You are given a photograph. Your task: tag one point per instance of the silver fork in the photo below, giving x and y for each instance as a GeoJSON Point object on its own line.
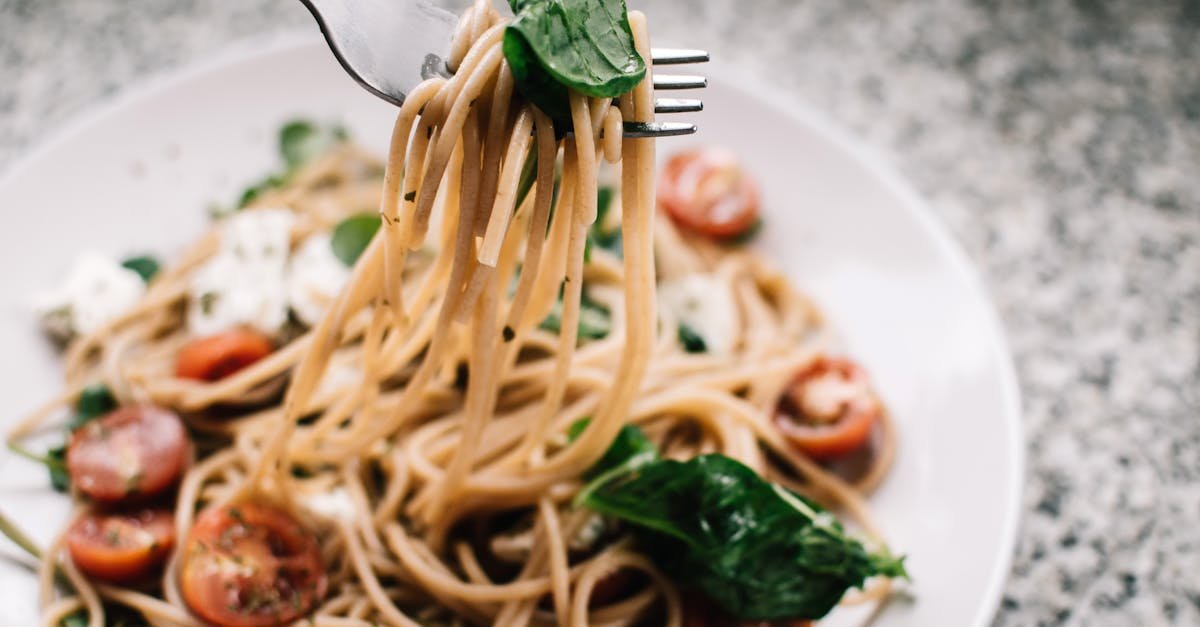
{"type": "Point", "coordinates": [390, 46]}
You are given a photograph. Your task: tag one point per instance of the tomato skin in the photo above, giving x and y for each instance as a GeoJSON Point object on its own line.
{"type": "Point", "coordinates": [131, 453]}
{"type": "Point", "coordinates": [250, 565]}
{"type": "Point", "coordinates": [706, 191]}
{"type": "Point", "coordinates": [217, 356]}
{"type": "Point", "coordinates": [829, 437]}
{"type": "Point", "coordinates": [121, 547]}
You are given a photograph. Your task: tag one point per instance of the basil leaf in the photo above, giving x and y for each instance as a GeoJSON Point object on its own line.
{"type": "Point", "coordinates": [710, 522]}
{"type": "Point", "coordinates": [301, 141]}
{"type": "Point", "coordinates": [585, 45]}
{"type": "Point", "coordinates": [94, 401]}
{"type": "Point", "coordinates": [145, 265]}
{"type": "Point", "coordinates": [114, 616]}
{"type": "Point", "coordinates": [692, 342]}
{"type": "Point", "coordinates": [352, 235]}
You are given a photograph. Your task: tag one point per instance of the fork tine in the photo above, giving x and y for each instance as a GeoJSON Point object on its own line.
{"type": "Point", "coordinates": [679, 81]}
{"type": "Point", "coordinates": [677, 105]}
{"type": "Point", "coordinates": [674, 56]}
{"type": "Point", "coordinates": [658, 129]}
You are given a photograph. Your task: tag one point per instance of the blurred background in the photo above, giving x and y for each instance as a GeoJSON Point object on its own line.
{"type": "Point", "coordinates": [1059, 140]}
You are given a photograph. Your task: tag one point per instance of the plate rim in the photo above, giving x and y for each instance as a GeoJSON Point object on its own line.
{"type": "Point", "coordinates": [819, 123]}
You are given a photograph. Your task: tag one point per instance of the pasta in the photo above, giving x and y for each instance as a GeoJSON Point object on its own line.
{"type": "Point", "coordinates": [431, 399]}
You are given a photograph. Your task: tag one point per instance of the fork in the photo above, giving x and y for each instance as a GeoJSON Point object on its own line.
{"type": "Point", "coordinates": [390, 46]}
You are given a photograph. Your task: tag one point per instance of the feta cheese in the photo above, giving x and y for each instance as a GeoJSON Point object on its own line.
{"type": "Point", "coordinates": [315, 276]}
{"type": "Point", "coordinates": [335, 503]}
{"type": "Point", "coordinates": [705, 304]}
{"type": "Point", "coordinates": [97, 290]}
{"type": "Point", "coordinates": [244, 282]}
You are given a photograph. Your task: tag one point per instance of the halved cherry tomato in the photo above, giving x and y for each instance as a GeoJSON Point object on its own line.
{"type": "Point", "coordinates": [829, 409]}
{"type": "Point", "coordinates": [705, 190]}
{"type": "Point", "coordinates": [134, 451]}
{"type": "Point", "coordinates": [121, 547]}
{"type": "Point", "coordinates": [218, 356]}
{"type": "Point", "coordinates": [250, 565]}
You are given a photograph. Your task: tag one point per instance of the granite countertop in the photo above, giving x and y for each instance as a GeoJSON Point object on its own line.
{"type": "Point", "coordinates": [1060, 141]}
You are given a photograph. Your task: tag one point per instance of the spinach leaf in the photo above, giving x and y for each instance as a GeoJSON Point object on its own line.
{"type": "Point", "coordinates": [599, 235]}
{"type": "Point", "coordinates": [585, 45]}
{"type": "Point", "coordinates": [595, 321]}
{"type": "Point", "coordinates": [692, 342]}
{"type": "Point", "coordinates": [114, 616]}
{"type": "Point", "coordinates": [55, 461]}
{"type": "Point", "coordinates": [301, 141]}
{"type": "Point", "coordinates": [629, 450]}
{"type": "Point", "coordinates": [711, 522]}
{"type": "Point", "coordinates": [352, 235]}
{"type": "Point", "coordinates": [747, 236]}
{"type": "Point", "coordinates": [94, 401]}
{"type": "Point", "coordinates": [145, 265]}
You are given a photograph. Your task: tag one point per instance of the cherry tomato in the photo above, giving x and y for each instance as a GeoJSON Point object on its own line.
{"type": "Point", "coordinates": [706, 191]}
{"type": "Point", "coordinates": [121, 547]}
{"type": "Point", "coordinates": [829, 409]}
{"type": "Point", "coordinates": [218, 356]}
{"type": "Point", "coordinates": [250, 565]}
{"type": "Point", "coordinates": [134, 451]}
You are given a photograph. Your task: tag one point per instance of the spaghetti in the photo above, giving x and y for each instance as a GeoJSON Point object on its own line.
{"type": "Point", "coordinates": [448, 479]}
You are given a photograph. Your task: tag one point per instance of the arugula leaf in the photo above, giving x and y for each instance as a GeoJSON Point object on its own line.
{"type": "Point", "coordinates": [711, 522]}
{"type": "Point", "coordinates": [145, 265]}
{"type": "Point", "coordinates": [78, 618]}
{"type": "Point", "coordinates": [585, 45]}
{"type": "Point", "coordinates": [94, 401]}
{"type": "Point", "coordinates": [352, 235]}
{"type": "Point", "coordinates": [594, 320]}
{"type": "Point", "coordinates": [747, 236]}
{"type": "Point", "coordinates": [692, 342]}
{"type": "Point", "coordinates": [300, 141]}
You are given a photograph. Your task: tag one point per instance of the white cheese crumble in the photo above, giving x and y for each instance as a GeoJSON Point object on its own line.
{"type": "Point", "coordinates": [244, 282]}
{"type": "Point", "coordinates": [335, 503]}
{"type": "Point", "coordinates": [97, 290]}
{"type": "Point", "coordinates": [706, 306]}
{"type": "Point", "coordinates": [315, 276]}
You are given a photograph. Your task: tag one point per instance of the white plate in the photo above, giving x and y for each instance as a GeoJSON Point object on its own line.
{"type": "Point", "coordinates": [140, 174]}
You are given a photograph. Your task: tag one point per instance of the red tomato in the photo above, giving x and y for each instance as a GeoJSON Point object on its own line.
{"type": "Point", "coordinates": [706, 191]}
{"type": "Point", "coordinates": [135, 451]}
{"type": "Point", "coordinates": [250, 565]}
{"type": "Point", "coordinates": [829, 409]}
{"type": "Point", "coordinates": [121, 548]}
{"type": "Point", "coordinates": [218, 356]}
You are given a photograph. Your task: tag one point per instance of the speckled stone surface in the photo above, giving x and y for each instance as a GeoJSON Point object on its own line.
{"type": "Point", "coordinates": [1060, 141]}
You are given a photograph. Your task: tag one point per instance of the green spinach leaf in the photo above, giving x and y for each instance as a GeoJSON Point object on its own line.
{"type": "Point", "coordinates": [595, 321]}
{"type": "Point", "coordinates": [585, 45]}
{"type": "Point", "coordinates": [352, 235]}
{"type": "Point", "coordinates": [629, 450]}
{"type": "Point", "coordinates": [94, 401]}
{"type": "Point", "coordinates": [691, 341]}
{"type": "Point", "coordinates": [301, 141]}
{"type": "Point", "coordinates": [711, 522]}
{"type": "Point", "coordinates": [145, 265]}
